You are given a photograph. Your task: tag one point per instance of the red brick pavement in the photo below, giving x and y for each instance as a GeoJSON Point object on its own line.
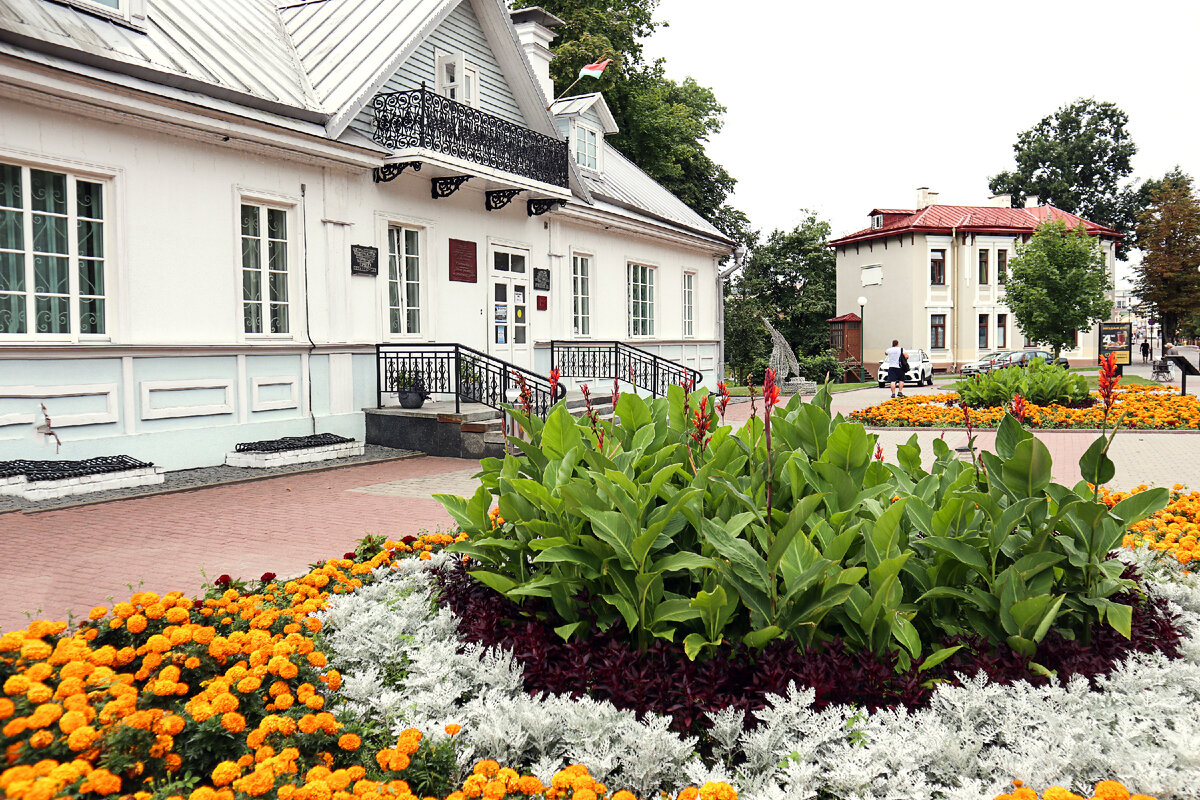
{"type": "Point", "coordinates": [70, 560]}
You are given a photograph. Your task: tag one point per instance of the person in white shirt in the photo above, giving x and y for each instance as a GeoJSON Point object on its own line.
{"type": "Point", "coordinates": [895, 375]}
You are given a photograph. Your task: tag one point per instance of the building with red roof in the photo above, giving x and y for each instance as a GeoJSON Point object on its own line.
{"type": "Point", "coordinates": [933, 277]}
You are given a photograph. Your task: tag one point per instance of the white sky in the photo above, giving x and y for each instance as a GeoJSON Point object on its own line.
{"type": "Point", "coordinates": [842, 106]}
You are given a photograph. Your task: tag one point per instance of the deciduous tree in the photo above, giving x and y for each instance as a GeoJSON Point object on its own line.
{"type": "Point", "coordinates": [1058, 284]}
{"type": "Point", "coordinates": [1168, 279]}
{"type": "Point", "coordinates": [1078, 159]}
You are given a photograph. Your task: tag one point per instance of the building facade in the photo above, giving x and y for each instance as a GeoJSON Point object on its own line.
{"type": "Point", "coordinates": [210, 214]}
{"type": "Point", "coordinates": [934, 278]}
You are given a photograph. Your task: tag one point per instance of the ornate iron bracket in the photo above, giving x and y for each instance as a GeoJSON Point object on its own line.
{"type": "Point", "coordinates": [500, 198]}
{"type": "Point", "coordinates": [540, 206]}
{"type": "Point", "coordinates": [389, 172]}
{"type": "Point", "coordinates": [444, 187]}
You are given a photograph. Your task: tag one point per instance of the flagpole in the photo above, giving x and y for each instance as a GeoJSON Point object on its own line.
{"type": "Point", "coordinates": [564, 94]}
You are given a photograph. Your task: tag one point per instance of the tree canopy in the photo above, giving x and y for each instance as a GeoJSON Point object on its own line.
{"type": "Point", "coordinates": [1078, 159]}
{"type": "Point", "coordinates": [1168, 279]}
{"type": "Point", "coordinates": [791, 279]}
{"type": "Point", "coordinates": [1058, 284]}
{"type": "Point", "coordinates": [664, 124]}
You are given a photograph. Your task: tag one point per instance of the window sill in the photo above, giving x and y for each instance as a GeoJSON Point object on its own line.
{"type": "Point", "coordinates": [29, 338]}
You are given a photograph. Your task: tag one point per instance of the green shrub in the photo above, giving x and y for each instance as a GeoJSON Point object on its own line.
{"type": "Point", "coordinates": [645, 522]}
{"type": "Point", "coordinates": [1039, 383]}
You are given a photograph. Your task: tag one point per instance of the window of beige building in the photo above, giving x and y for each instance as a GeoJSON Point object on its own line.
{"type": "Point", "coordinates": [1001, 266]}
{"type": "Point", "coordinates": [983, 331]}
{"type": "Point", "coordinates": [937, 267]}
{"type": "Point", "coordinates": [1001, 331]}
{"type": "Point", "coordinates": [937, 331]}
{"type": "Point", "coordinates": [983, 268]}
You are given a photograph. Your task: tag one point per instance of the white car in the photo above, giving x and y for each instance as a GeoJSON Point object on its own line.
{"type": "Point", "coordinates": [920, 369]}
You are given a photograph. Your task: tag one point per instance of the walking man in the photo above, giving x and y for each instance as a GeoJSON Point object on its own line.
{"type": "Point", "coordinates": [1145, 351]}
{"type": "Point", "coordinates": [894, 356]}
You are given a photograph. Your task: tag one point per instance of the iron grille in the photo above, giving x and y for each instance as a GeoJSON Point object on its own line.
{"type": "Point", "coordinates": [291, 443]}
{"type": "Point", "coordinates": [470, 375]}
{"type": "Point", "coordinates": [425, 119]}
{"type": "Point", "coordinates": [59, 470]}
{"type": "Point", "coordinates": [607, 360]}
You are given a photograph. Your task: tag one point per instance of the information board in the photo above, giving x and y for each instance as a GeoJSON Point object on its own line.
{"type": "Point", "coordinates": [463, 266]}
{"type": "Point", "coordinates": [364, 260]}
{"type": "Point", "coordinates": [1116, 338]}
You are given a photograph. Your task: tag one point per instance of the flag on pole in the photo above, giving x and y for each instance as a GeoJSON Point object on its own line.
{"type": "Point", "coordinates": [594, 70]}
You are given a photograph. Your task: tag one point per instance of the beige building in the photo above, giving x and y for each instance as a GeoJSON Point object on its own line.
{"type": "Point", "coordinates": [934, 277]}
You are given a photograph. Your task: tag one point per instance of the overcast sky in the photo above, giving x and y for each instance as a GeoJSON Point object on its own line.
{"type": "Point", "coordinates": [842, 107]}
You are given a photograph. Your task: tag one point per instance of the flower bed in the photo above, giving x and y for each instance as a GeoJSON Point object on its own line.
{"type": "Point", "coordinates": [1175, 530]}
{"type": "Point", "coordinates": [349, 682]}
{"type": "Point", "coordinates": [1144, 407]}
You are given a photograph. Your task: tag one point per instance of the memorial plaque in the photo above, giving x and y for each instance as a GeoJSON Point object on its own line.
{"type": "Point", "coordinates": [463, 265]}
{"type": "Point", "coordinates": [541, 280]}
{"type": "Point", "coordinates": [1117, 338]}
{"type": "Point", "coordinates": [541, 302]}
{"type": "Point", "coordinates": [364, 260]}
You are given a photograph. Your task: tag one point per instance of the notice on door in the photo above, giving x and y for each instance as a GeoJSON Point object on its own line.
{"type": "Point", "coordinates": [463, 265]}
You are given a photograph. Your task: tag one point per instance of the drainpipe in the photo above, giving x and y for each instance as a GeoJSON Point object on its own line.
{"type": "Point", "coordinates": [954, 292]}
{"type": "Point", "coordinates": [739, 259]}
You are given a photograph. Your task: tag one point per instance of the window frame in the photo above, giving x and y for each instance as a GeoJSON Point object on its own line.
{"type": "Point", "coordinates": [402, 295]}
{"type": "Point", "coordinates": [688, 302]}
{"type": "Point", "coordinates": [130, 13]}
{"type": "Point", "coordinates": [1001, 266]}
{"type": "Point", "coordinates": [579, 128]}
{"type": "Point", "coordinates": [266, 203]}
{"type": "Point", "coordinates": [584, 316]}
{"type": "Point", "coordinates": [647, 329]}
{"type": "Point", "coordinates": [1001, 331]}
{"type": "Point", "coordinates": [984, 267]}
{"type": "Point", "coordinates": [937, 275]}
{"type": "Point", "coordinates": [937, 332]}
{"type": "Point", "coordinates": [466, 76]}
{"type": "Point", "coordinates": [985, 321]}
{"type": "Point", "coordinates": [73, 174]}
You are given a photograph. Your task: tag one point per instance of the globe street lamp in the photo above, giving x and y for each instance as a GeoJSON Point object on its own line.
{"type": "Point", "coordinates": [862, 334]}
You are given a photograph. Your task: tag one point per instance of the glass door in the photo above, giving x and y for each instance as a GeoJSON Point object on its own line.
{"type": "Point", "coordinates": [509, 337]}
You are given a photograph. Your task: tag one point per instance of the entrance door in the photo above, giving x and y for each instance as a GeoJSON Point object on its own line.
{"type": "Point", "coordinates": [509, 338]}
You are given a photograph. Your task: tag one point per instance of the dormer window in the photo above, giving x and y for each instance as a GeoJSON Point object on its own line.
{"type": "Point", "coordinates": [127, 12]}
{"type": "Point", "coordinates": [587, 147]}
{"type": "Point", "coordinates": [457, 79]}
{"type": "Point", "coordinates": [877, 221]}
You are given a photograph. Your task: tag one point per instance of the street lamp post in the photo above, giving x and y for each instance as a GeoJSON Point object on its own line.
{"type": "Point", "coordinates": [862, 335]}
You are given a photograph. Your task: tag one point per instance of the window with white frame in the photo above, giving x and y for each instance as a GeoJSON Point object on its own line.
{"type": "Point", "coordinates": [265, 290]}
{"type": "Point", "coordinates": [52, 253]}
{"type": "Point", "coordinates": [457, 79]}
{"type": "Point", "coordinates": [641, 300]}
{"type": "Point", "coordinates": [581, 295]}
{"type": "Point", "coordinates": [689, 304]}
{"type": "Point", "coordinates": [129, 12]}
{"type": "Point", "coordinates": [404, 280]}
{"type": "Point", "coordinates": [587, 147]}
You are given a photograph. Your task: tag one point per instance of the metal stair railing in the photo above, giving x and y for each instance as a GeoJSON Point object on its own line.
{"type": "Point", "coordinates": [470, 375]}
{"type": "Point", "coordinates": [606, 360]}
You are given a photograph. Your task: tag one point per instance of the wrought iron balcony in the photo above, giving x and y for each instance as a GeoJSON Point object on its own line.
{"type": "Point", "coordinates": [425, 119]}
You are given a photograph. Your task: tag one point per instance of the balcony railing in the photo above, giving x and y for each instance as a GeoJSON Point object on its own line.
{"type": "Point", "coordinates": [425, 119]}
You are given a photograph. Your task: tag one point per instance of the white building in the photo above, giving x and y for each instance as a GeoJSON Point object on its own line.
{"type": "Point", "coordinates": [211, 214]}
{"type": "Point", "coordinates": [933, 277]}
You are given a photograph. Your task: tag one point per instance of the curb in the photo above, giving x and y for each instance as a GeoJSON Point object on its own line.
{"type": "Point", "coordinates": [199, 486]}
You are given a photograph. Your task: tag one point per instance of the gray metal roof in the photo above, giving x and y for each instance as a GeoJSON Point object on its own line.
{"type": "Point", "coordinates": [345, 46]}
{"type": "Point", "coordinates": [625, 185]}
{"type": "Point", "coordinates": [235, 46]}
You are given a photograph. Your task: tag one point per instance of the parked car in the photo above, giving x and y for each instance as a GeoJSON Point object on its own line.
{"type": "Point", "coordinates": [920, 369]}
{"type": "Point", "coordinates": [1021, 358]}
{"type": "Point", "coordinates": [985, 363]}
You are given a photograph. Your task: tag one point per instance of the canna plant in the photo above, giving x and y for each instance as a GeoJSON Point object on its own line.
{"type": "Point", "coordinates": [667, 525]}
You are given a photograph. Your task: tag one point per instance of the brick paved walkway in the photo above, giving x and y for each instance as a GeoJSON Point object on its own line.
{"type": "Point", "coordinates": [70, 560]}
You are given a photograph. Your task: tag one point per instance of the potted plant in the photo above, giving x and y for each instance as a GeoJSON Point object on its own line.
{"type": "Point", "coordinates": [411, 390]}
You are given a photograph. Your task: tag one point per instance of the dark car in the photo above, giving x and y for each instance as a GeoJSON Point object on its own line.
{"type": "Point", "coordinates": [1022, 358]}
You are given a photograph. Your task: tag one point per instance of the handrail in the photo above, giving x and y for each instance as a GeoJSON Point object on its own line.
{"type": "Point", "coordinates": [467, 373]}
{"type": "Point", "coordinates": [425, 119]}
{"type": "Point", "coordinates": [621, 361]}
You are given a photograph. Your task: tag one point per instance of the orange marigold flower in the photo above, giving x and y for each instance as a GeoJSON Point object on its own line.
{"type": "Point", "coordinates": [225, 773]}
{"type": "Point", "coordinates": [82, 738]}
{"type": "Point", "coordinates": [453, 729]}
{"type": "Point", "coordinates": [1110, 790]}
{"type": "Point", "coordinates": [233, 722]}
{"type": "Point", "coordinates": [349, 741]}
{"type": "Point", "coordinates": [97, 612]}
